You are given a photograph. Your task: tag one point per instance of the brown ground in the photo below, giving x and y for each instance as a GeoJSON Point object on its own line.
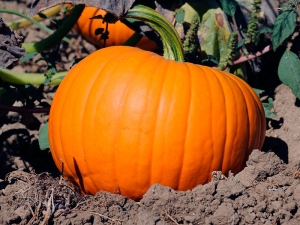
{"type": "Point", "coordinates": [267, 191]}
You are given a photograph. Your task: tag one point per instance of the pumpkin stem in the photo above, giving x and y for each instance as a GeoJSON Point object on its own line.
{"type": "Point", "coordinates": [58, 34]}
{"type": "Point", "coordinates": [172, 45]}
{"type": "Point", "coordinates": [29, 78]}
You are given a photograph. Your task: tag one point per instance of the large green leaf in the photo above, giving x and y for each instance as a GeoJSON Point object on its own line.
{"type": "Point", "coordinates": [284, 26]}
{"type": "Point", "coordinates": [289, 71]}
{"type": "Point", "coordinates": [214, 29]}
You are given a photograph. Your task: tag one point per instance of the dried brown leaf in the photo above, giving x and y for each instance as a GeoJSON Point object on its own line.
{"type": "Point", "coordinates": [10, 46]}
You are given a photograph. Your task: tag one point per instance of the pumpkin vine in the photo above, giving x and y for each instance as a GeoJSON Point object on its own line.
{"type": "Point", "coordinates": [56, 36]}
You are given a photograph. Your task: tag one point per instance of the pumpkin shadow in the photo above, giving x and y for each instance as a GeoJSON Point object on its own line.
{"type": "Point", "coordinates": [278, 146]}
{"type": "Point", "coordinates": [79, 175]}
{"type": "Point", "coordinates": [297, 102]}
{"type": "Point", "coordinates": [18, 150]}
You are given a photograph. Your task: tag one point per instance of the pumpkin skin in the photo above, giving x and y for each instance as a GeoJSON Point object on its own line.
{"type": "Point", "coordinates": [124, 119]}
{"type": "Point", "coordinates": [118, 32]}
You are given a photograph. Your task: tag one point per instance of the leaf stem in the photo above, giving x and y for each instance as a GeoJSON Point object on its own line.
{"type": "Point", "coordinates": [252, 56]}
{"type": "Point", "coordinates": [58, 34]}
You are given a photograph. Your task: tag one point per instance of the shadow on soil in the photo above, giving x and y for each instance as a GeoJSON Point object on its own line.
{"type": "Point", "coordinates": [278, 146]}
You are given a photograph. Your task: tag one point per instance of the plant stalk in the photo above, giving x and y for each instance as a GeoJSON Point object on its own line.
{"type": "Point", "coordinates": [29, 78]}
{"type": "Point", "coordinates": [23, 22]}
{"type": "Point", "coordinates": [58, 35]}
{"type": "Point", "coordinates": [26, 20]}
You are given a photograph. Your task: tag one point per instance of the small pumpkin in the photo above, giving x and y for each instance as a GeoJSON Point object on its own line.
{"type": "Point", "coordinates": [118, 32]}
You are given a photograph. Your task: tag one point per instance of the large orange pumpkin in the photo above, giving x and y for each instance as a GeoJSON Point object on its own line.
{"type": "Point", "coordinates": [124, 119]}
{"type": "Point", "coordinates": [118, 32]}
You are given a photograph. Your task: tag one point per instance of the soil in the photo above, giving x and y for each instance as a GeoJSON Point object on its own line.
{"type": "Point", "coordinates": [32, 191]}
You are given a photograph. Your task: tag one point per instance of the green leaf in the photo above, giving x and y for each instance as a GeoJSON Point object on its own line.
{"type": "Point", "coordinates": [28, 56]}
{"type": "Point", "coordinates": [258, 91]}
{"type": "Point", "coordinates": [210, 61]}
{"type": "Point", "coordinates": [269, 109]}
{"type": "Point", "coordinates": [179, 16]}
{"type": "Point", "coordinates": [289, 71]}
{"type": "Point", "coordinates": [266, 30]}
{"type": "Point", "coordinates": [43, 137]}
{"type": "Point", "coordinates": [240, 44]}
{"type": "Point", "coordinates": [229, 6]}
{"type": "Point", "coordinates": [284, 26]}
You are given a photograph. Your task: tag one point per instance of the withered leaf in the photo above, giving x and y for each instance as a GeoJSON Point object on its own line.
{"type": "Point", "coordinates": [116, 7]}
{"type": "Point", "coordinates": [10, 46]}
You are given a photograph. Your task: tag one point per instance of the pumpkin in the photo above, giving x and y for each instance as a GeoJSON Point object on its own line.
{"type": "Point", "coordinates": [124, 119]}
{"type": "Point", "coordinates": [118, 32]}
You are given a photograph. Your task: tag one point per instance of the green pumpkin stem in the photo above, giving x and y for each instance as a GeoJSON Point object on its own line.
{"type": "Point", "coordinates": [172, 45]}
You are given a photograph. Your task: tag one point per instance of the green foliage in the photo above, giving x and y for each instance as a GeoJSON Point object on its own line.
{"type": "Point", "coordinates": [284, 27]}
{"type": "Point", "coordinates": [28, 57]}
{"type": "Point", "coordinates": [253, 32]}
{"type": "Point", "coordinates": [229, 6]}
{"type": "Point", "coordinates": [51, 70]}
{"type": "Point", "coordinates": [269, 108]}
{"type": "Point", "coordinates": [231, 51]}
{"type": "Point", "coordinates": [213, 28]}
{"type": "Point", "coordinates": [210, 61]}
{"type": "Point", "coordinates": [190, 41]}
{"type": "Point", "coordinates": [43, 137]}
{"type": "Point", "coordinates": [179, 16]}
{"type": "Point", "coordinates": [289, 71]}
